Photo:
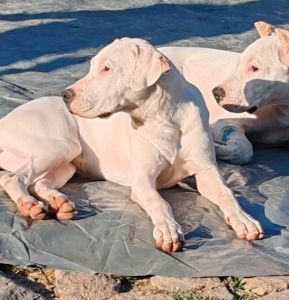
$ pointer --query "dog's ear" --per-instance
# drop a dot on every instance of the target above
(283, 36)
(150, 65)
(263, 28)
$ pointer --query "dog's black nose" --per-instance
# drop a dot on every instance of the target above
(218, 93)
(67, 95)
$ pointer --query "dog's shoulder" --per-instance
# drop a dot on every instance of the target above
(162, 135)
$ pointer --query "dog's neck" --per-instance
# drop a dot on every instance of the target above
(282, 96)
(163, 98)
(282, 114)
(280, 102)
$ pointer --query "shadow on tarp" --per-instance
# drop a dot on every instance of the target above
(112, 234)
(71, 31)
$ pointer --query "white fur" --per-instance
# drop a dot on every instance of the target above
(164, 138)
(267, 89)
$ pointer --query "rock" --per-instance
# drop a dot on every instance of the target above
(209, 287)
(136, 295)
(266, 285)
(183, 283)
(284, 295)
(10, 290)
(78, 286)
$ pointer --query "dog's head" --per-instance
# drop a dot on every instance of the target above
(262, 74)
(119, 78)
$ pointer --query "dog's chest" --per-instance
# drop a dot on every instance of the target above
(163, 136)
(106, 148)
(172, 174)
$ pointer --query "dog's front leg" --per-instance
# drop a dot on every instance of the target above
(211, 185)
(147, 164)
(167, 232)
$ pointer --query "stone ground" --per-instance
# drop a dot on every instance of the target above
(31, 283)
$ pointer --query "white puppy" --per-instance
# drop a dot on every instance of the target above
(252, 102)
(164, 138)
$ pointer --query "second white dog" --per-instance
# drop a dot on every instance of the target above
(246, 94)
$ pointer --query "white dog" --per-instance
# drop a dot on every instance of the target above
(251, 105)
(162, 138)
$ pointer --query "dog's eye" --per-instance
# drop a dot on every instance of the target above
(253, 68)
(104, 69)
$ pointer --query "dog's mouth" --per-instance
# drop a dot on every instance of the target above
(252, 109)
(126, 107)
(239, 108)
(105, 115)
(234, 108)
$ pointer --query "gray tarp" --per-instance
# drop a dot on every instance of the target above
(43, 48)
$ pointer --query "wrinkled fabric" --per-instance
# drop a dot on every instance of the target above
(45, 46)
(112, 234)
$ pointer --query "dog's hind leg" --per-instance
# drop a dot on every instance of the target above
(14, 180)
(236, 149)
(231, 143)
(16, 187)
(46, 188)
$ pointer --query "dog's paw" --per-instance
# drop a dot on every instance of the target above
(61, 207)
(245, 226)
(169, 236)
(234, 152)
(30, 207)
(234, 148)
